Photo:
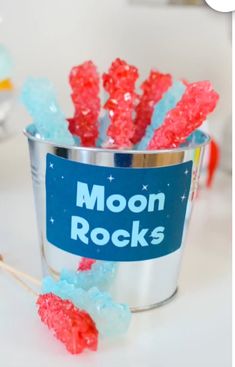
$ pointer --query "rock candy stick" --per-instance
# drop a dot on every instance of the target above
(38, 96)
(153, 89)
(101, 275)
(168, 102)
(73, 327)
(111, 318)
(104, 122)
(84, 81)
(197, 102)
(119, 82)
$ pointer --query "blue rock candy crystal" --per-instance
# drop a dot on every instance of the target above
(5, 63)
(38, 96)
(104, 123)
(101, 275)
(161, 109)
(77, 140)
(111, 318)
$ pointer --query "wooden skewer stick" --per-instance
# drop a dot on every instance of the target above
(18, 273)
(23, 284)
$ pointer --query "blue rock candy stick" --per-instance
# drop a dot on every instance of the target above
(161, 109)
(5, 63)
(77, 140)
(111, 318)
(38, 96)
(104, 123)
(101, 275)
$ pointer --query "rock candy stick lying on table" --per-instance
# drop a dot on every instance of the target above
(111, 318)
(84, 81)
(73, 327)
(101, 275)
(197, 102)
(38, 96)
(119, 82)
(167, 103)
(153, 89)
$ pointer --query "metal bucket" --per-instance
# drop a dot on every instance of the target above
(141, 223)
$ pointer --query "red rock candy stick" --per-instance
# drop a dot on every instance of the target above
(197, 102)
(84, 81)
(153, 89)
(119, 82)
(73, 327)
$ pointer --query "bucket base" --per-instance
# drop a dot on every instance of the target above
(155, 305)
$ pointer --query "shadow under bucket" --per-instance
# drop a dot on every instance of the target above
(130, 207)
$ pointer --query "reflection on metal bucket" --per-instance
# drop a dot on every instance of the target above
(141, 284)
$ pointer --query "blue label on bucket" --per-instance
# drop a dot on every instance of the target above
(116, 214)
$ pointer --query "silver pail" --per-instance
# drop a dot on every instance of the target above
(149, 278)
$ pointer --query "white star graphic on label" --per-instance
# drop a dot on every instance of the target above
(186, 172)
(52, 220)
(110, 178)
(51, 165)
(183, 197)
(145, 187)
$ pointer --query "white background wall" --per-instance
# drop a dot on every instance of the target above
(47, 37)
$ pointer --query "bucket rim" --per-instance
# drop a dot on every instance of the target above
(206, 139)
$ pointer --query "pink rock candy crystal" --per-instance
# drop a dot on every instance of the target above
(73, 327)
(84, 81)
(153, 90)
(197, 102)
(119, 82)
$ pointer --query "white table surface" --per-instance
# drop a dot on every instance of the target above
(194, 330)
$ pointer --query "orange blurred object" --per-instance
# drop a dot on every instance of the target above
(6, 85)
